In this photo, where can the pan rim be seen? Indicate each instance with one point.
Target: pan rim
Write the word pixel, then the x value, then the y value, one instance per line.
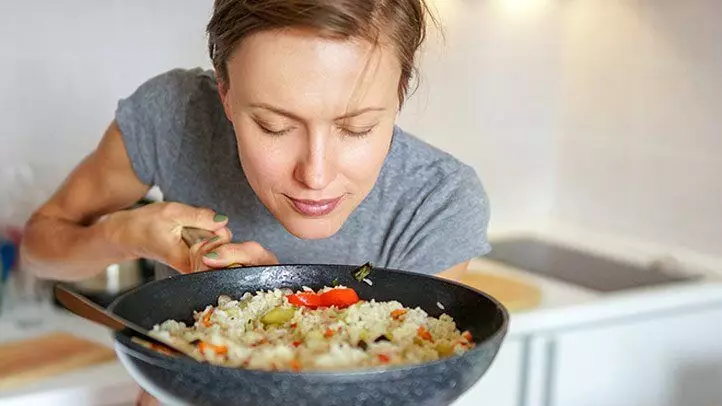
pixel 165 361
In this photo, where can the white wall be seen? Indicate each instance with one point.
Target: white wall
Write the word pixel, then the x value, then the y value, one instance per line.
pixel 64 65
pixel 640 153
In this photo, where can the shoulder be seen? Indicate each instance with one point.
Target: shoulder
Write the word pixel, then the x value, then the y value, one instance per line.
pixel 440 211
pixel 173 88
pixel 158 117
pixel 422 165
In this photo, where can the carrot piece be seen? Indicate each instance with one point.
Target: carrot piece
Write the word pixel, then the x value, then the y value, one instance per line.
pixel 295 365
pixel 328 333
pixel 218 349
pixel 466 335
pixel 296 343
pixel 396 314
pixel 384 358
pixel 424 333
pixel 207 318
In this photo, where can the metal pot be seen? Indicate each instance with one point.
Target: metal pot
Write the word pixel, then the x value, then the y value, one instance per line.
pixel 116 278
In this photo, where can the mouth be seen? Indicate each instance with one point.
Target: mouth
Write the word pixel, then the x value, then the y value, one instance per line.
pixel 315 208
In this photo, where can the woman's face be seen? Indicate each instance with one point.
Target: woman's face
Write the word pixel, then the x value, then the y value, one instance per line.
pixel 314 118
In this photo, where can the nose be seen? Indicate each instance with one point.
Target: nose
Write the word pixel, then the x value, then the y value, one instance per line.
pixel 316 168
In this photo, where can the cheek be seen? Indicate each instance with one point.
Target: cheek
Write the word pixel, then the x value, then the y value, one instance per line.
pixel 361 160
pixel 264 161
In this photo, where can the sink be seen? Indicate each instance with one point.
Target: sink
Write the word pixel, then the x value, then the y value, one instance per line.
pixel 591 271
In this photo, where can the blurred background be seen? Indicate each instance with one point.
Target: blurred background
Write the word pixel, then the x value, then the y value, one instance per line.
pixel 593 125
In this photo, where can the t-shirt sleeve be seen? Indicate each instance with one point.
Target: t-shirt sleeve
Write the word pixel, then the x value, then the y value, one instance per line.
pixel 148 118
pixel 449 226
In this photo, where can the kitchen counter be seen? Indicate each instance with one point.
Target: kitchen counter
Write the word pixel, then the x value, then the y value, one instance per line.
pixel 106 384
pixel 563 306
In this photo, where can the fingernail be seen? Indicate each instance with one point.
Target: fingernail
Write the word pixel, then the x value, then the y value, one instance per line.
pixel 219 218
pixel 212 255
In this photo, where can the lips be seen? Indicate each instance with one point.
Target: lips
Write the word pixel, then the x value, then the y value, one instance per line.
pixel 315 208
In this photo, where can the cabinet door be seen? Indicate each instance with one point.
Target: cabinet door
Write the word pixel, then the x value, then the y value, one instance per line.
pixel 669 360
pixel 501 384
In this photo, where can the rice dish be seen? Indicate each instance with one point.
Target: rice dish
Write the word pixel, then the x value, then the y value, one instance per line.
pixel 328 330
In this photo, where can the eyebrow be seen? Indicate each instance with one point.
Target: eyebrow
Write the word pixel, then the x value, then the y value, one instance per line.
pixel 288 114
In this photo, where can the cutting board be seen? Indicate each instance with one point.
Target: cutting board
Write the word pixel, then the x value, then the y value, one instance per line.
pixel 24 361
pixel 516 295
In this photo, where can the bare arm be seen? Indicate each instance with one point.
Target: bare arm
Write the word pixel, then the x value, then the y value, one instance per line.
pixel 63 238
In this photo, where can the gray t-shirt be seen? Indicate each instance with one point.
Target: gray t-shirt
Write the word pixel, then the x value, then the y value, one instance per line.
pixel 426 212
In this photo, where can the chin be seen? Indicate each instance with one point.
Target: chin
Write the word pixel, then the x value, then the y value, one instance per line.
pixel 312 229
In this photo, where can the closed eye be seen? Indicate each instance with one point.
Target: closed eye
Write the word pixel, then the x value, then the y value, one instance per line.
pixel 358 133
pixel 266 129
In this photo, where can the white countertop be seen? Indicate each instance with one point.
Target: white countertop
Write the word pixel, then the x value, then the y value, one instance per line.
pixel 562 306
pixel 565 305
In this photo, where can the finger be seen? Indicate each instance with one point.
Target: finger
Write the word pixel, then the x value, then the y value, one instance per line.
pixel 179 258
pixel 199 217
pixel 246 253
pixel 225 233
pixel 197 251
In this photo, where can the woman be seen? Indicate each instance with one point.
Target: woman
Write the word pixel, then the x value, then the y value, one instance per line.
pixel 288 152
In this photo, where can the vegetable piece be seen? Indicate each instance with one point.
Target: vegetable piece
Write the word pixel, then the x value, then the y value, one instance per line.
pixel 340 297
pixel 218 349
pixel 334 283
pixel 311 300
pixel 207 318
pixel 328 333
pixel 445 349
pixel 466 335
pixel 278 316
pixel 424 334
pixel 314 335
pixel 396 314
pixel 362 272
pixel 295 365
pixel 384 358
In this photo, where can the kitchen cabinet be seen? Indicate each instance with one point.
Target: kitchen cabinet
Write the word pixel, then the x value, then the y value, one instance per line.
pixel 501 385
pixel 667 360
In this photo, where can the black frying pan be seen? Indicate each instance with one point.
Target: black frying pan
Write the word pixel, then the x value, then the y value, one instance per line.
pixel 178 380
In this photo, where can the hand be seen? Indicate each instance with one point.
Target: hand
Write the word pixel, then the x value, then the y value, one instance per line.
pixel 154 231
pixel 146 399
pixel 220 253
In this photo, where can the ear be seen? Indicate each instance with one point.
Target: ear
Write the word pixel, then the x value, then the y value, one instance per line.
pixel 224 94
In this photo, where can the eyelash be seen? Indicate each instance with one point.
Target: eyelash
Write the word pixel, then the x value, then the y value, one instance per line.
pixel 358 134
pixel 349 133
pixel 274 133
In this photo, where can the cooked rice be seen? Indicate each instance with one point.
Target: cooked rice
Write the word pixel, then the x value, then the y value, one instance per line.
pixel 362 335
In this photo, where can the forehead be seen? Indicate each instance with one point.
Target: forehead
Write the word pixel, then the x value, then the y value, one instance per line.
pixel 302 70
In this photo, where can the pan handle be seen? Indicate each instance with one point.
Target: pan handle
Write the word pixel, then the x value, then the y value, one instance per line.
pixel 192 235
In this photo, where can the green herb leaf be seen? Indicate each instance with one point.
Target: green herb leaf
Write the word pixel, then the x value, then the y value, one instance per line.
pixel 364 271
pixel 334 283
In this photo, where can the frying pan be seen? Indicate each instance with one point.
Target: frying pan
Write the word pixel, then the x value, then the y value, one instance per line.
pixel 179 380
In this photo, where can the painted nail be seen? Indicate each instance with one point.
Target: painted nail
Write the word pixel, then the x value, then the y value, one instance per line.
pixel 219 218
pixel 212 255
